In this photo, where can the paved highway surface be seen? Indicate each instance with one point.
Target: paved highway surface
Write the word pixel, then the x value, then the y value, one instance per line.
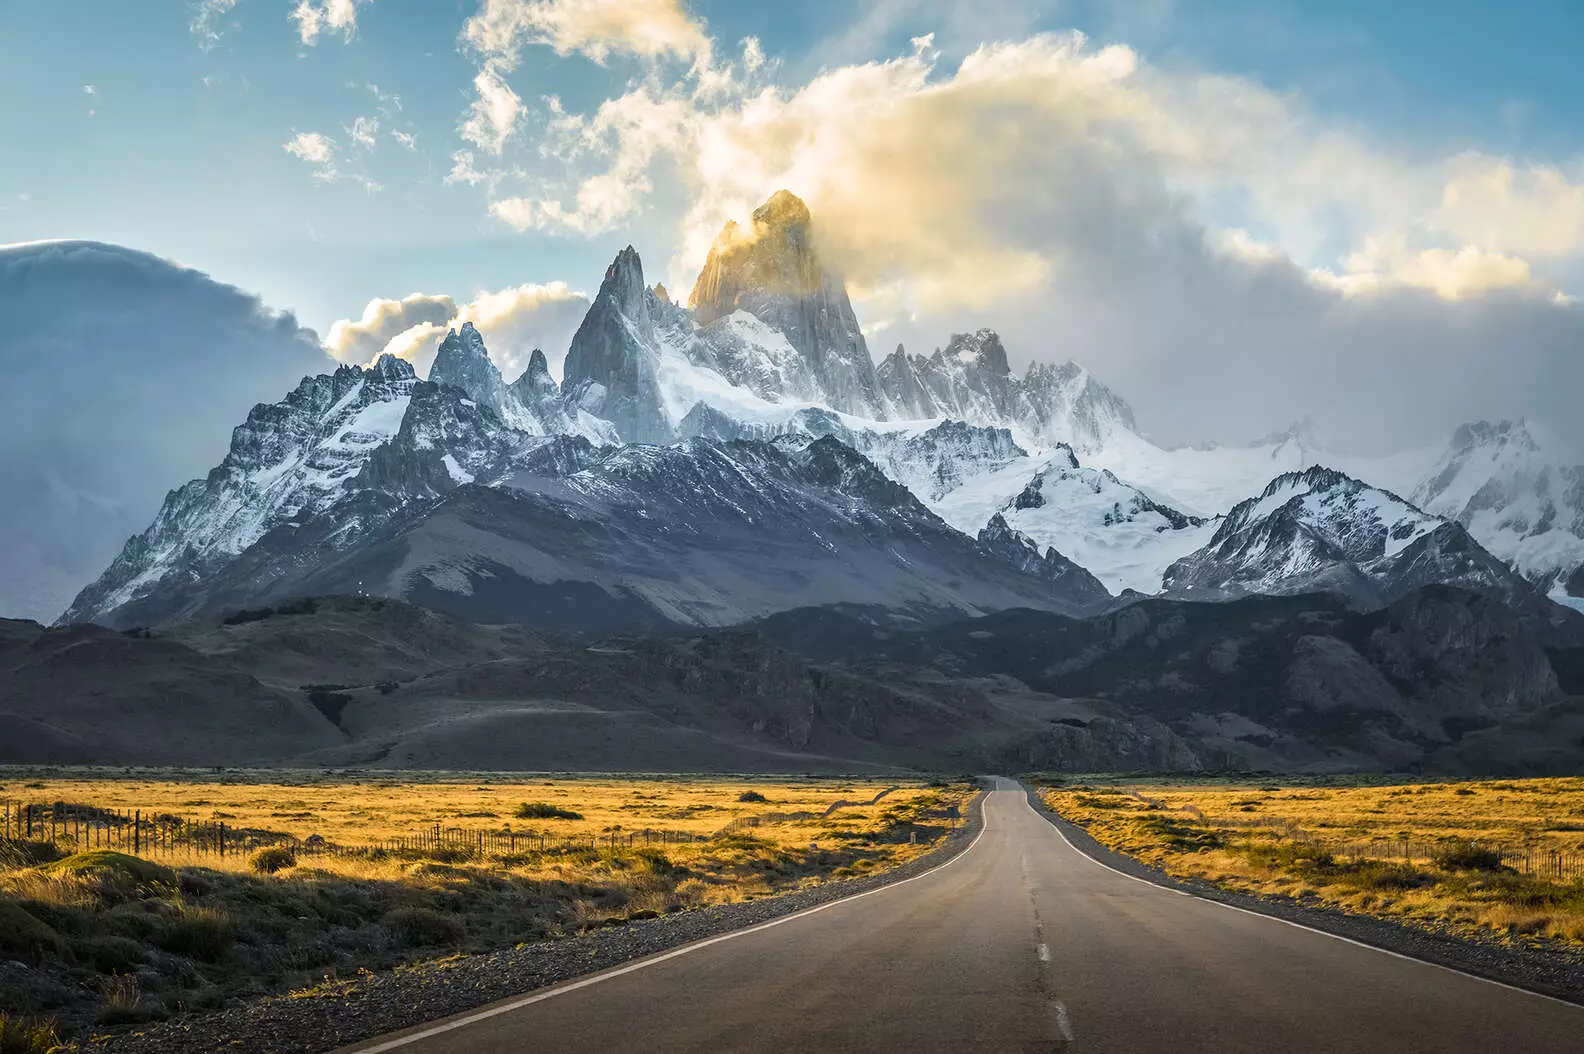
pixel 1020 944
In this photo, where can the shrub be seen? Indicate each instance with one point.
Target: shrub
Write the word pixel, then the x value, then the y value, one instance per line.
pixel 22 934
pixel 271 859
pixel 751 796
pixel 655 861
pixel 22 853
pixel 121 868
pixel 543 810
pixel 1467 856
pixel 1093 801
pixel 110 954
pixel 420 926
pixel 1383 876
pixel 201 933
pixel 20 1035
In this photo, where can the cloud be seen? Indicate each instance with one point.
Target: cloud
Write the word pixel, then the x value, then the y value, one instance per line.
pixel 1536 210
pixel 493 116
pixel 1079 199
pixel 406 139
pixel 326 16
pixel 464 171
pixel 362 340
pixel 1451 275
pixel 597 29
pixel 207 19
pixel 364 131
pixel 105 349
pixel 514 321
pixel 313 147
pixel 319 150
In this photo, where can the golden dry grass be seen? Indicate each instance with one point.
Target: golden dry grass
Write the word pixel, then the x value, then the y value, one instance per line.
pixel 199 928
pixel 1344 846
pixel 360 811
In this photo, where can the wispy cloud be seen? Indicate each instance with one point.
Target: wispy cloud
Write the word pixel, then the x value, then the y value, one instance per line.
pixel 364 132
pixel 326 16
pixel 320 151
pixel 208 20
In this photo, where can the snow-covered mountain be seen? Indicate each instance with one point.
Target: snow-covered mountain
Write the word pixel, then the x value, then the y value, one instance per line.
pixel 1323 531
pixel 707 463
pixel 970 380
pixel 1517 498
pixel 457 512
pixel 1123 536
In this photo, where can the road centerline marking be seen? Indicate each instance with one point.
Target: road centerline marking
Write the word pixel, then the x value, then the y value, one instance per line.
pixel 1044 953
pixel 1063 1020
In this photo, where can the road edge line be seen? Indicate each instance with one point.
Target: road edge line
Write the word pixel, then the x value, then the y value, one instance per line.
pixel 1285 922
pixel 518 1002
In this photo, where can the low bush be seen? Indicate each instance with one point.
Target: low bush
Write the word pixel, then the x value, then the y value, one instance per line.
pixel 1109 801
pixel 120 868
pixel 543 810
pixel 20 1035
pixel 1467 856
pixel 416 927
pixel 18 852
pixel 202 933
pixel 751 796
pixel 271 859
pixel 1184 837
pixel 22 934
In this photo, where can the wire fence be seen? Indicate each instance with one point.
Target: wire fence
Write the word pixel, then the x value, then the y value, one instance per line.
pixel 80 828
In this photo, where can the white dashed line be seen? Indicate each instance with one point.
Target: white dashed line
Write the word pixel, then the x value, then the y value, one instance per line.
pixel 1063 1022
pixel 1044 953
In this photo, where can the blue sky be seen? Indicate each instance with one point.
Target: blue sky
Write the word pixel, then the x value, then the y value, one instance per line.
pixel 1232 211
pixel 179 149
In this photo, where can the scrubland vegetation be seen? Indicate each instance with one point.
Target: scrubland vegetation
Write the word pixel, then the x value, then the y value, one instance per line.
pixel 94 939
pixel 1499 859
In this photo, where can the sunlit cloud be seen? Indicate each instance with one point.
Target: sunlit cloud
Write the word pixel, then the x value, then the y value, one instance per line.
pixel 514 321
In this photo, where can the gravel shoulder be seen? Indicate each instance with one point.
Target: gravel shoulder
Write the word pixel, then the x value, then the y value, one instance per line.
pixel 375 1004
pixel 1554 970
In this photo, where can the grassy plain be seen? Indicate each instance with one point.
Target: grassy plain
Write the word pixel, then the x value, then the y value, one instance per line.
pixel 110 939
pixel 1425 854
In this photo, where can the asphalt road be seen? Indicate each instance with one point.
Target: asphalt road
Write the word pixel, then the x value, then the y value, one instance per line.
pixel 1020 944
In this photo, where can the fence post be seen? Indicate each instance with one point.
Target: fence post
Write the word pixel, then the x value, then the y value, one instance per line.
pixel 137 832
pixel 222 840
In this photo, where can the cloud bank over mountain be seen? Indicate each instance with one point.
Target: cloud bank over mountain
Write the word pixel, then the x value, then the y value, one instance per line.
pixel 124 373
pixel 518 319
pixel 1227 257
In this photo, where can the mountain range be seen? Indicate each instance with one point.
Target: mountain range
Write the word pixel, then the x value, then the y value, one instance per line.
pixel 714 463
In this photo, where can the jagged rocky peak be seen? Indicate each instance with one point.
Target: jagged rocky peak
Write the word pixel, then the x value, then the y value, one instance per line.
pixel 611 365
pixel 463 362
pixel 536 383
pixel 774 257
pixel 772 270
pixel 660 293
pixel 389 369
pixel 981 350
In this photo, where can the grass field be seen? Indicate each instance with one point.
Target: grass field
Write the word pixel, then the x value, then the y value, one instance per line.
pixel 112 939
pixel 1451 857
